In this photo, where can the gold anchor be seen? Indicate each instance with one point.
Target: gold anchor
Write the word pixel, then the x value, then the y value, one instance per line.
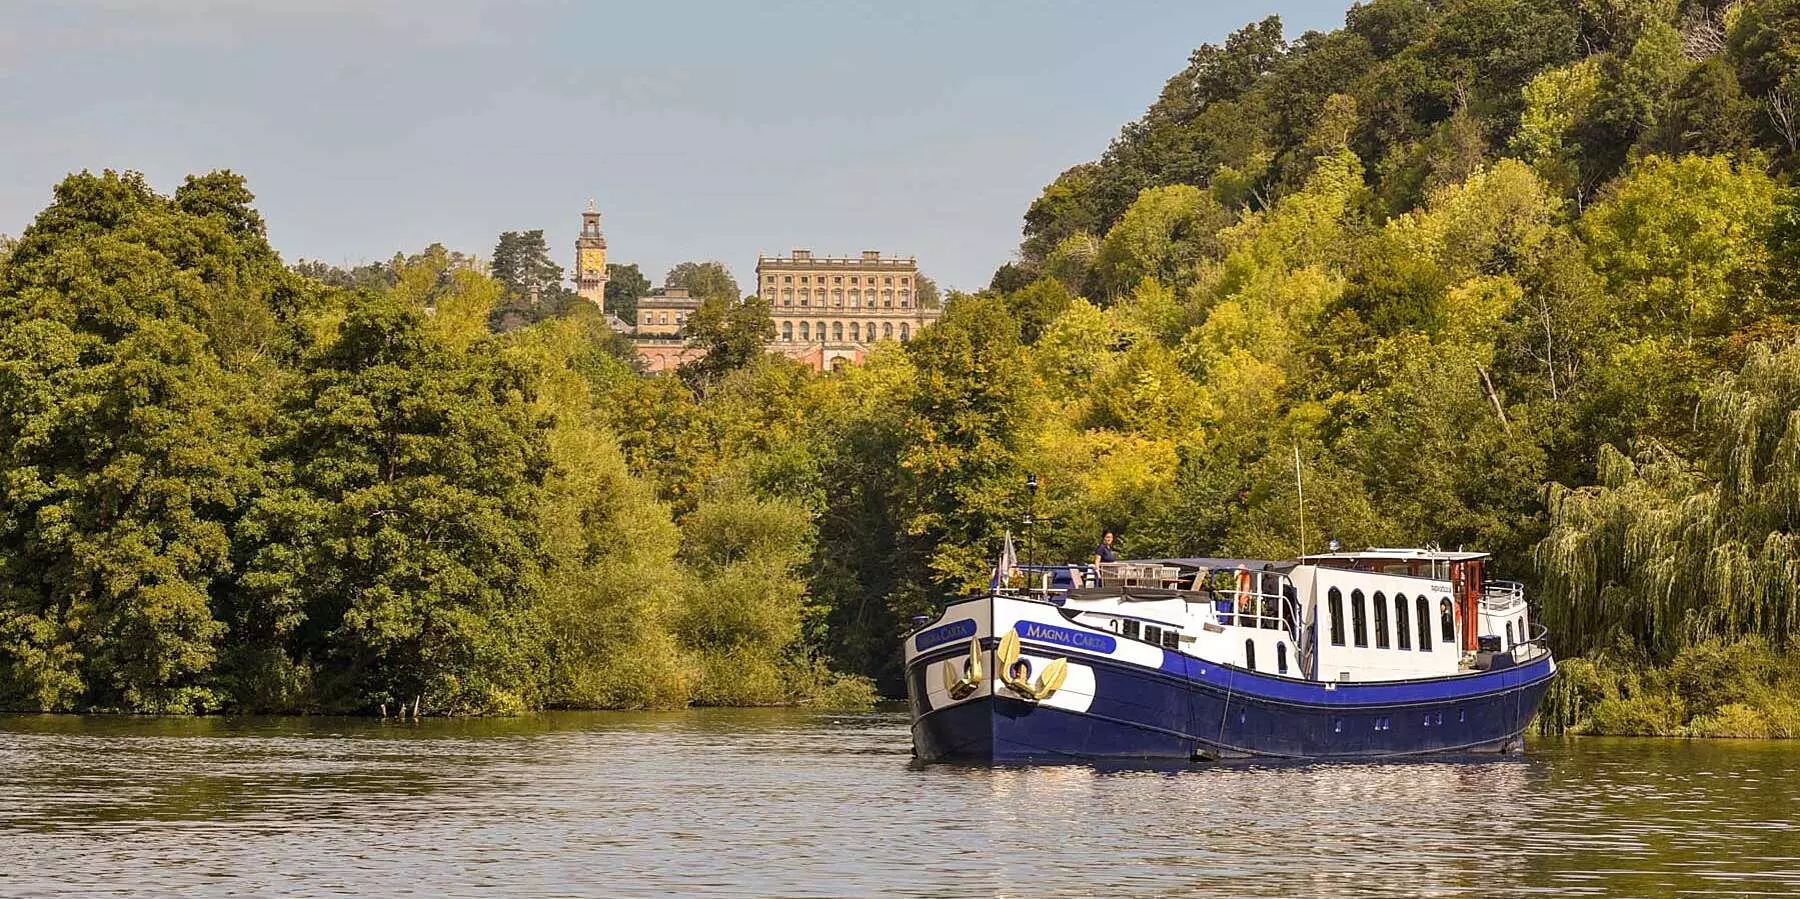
pixel 1046 684
pixel 961 687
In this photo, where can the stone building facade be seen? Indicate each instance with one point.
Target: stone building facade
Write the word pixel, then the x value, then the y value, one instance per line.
pixel 664 313
pixel 829 309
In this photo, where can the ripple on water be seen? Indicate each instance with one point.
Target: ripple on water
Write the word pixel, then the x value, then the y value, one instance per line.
pixel 795 803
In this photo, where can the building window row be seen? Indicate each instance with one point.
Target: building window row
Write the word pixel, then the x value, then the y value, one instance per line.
pixel 859 331
pixel 857 298
pixel 888 281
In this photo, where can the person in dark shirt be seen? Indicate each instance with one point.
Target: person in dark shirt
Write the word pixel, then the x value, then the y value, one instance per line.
pixel 1104 552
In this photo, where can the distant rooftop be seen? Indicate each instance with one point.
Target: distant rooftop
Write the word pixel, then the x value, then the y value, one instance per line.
pixel 805 257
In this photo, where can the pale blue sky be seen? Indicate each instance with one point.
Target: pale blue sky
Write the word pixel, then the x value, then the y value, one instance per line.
pixel 705 130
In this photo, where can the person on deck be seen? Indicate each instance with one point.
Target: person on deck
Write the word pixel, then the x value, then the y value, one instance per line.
pixel 1104 552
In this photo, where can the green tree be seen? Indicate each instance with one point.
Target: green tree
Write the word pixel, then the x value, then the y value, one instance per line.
pixel 402 560
pixel 129 401
pixel 705 280
pixel 967 420
pixel 625 285
pixel 733 334
pixel 522 263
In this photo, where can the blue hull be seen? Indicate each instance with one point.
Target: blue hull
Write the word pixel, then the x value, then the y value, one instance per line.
pixel 1191 709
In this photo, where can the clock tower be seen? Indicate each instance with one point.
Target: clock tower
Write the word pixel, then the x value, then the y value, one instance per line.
pixel 590 259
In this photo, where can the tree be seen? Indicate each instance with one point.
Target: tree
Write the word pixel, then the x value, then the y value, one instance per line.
pixel 135 336
pixel 1666 551
pixel 731 333
pixel 625 284
pixel 1684 243
pixel 522 263
pixel 704 280
pixel 402 561
pixel 1164 235
pixel 927 294
pixel 967 421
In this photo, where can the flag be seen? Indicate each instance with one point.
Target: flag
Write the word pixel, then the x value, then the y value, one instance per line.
pixel 1006 566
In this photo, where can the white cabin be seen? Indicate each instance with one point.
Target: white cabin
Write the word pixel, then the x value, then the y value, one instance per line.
pixel 1375 615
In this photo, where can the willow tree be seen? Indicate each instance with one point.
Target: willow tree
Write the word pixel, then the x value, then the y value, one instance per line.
pixel 1666 552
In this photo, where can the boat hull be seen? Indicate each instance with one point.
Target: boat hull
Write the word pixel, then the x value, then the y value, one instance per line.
pixel 1143 702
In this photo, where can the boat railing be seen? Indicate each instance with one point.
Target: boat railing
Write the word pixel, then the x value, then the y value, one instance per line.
pixel 1259 599
pixel 1538 645
pixel 1502 596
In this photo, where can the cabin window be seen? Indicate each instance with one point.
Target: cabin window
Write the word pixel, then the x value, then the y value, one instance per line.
pixel 1131 629
pixel 1250 654
pixel 1509 640
pixel 1402 621
pixel 1336 601
pixel 1359 618
pixel 1448 617
pixel 1281 657
pixel 1171 639
pixel 1424 624
pixel 1152 633
pixel 1381 624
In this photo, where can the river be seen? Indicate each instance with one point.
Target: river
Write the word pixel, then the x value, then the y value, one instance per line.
pixel 799 803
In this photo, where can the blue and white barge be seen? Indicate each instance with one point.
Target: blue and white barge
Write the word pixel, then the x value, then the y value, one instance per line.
pixel 1374 654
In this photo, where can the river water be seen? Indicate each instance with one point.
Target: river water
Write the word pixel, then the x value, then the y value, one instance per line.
pixel 797 803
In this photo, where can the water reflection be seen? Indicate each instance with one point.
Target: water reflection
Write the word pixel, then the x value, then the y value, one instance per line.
pixel 781 802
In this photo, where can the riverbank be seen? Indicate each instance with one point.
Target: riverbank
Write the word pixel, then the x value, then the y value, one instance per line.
pixel 1739 690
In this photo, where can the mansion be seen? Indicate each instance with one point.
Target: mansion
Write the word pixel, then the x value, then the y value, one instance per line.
pixel 828 311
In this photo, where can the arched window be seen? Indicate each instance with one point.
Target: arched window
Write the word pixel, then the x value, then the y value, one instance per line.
pixel 805 330
pixel 1281 657
pixel 1250 654
pixel 856 330
pixel 1402 622
pixel 1381 620
pixel 837 330
pixel 904 335
pixel 787 330
pixel 887 330
pixel 1509 639
pixel 869 329
pixel 1359 618
pixel 1447 615
pixel 1424 624
pixel 1336 601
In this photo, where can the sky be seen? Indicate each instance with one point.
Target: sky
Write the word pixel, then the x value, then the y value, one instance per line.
pixel 703 130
